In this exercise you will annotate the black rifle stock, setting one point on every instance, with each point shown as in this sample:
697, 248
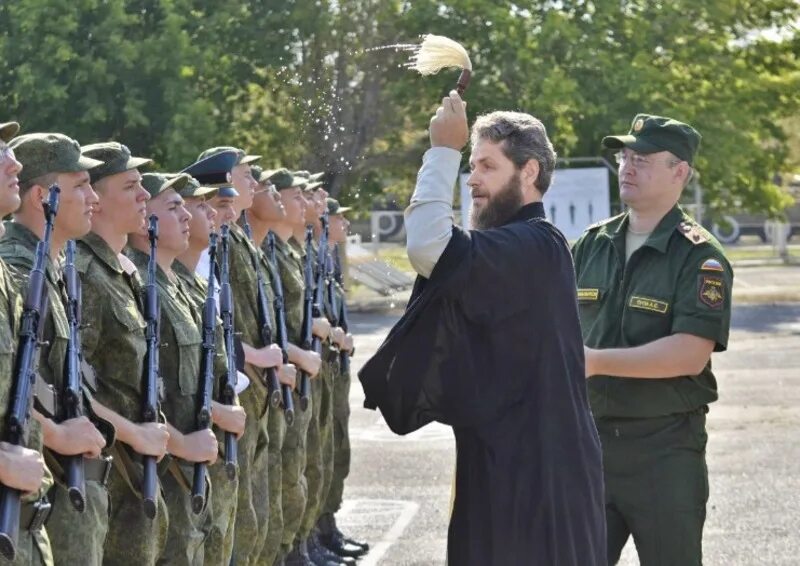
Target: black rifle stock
26, 361
264, 318
281, 337
307, 338
344, 356
228, 389
206, 374
73, 395
150, 381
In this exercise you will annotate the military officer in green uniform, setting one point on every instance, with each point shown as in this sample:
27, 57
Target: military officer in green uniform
329, 533
114, 345
179, 368
48, 159
654, 292
227, 418
21, 467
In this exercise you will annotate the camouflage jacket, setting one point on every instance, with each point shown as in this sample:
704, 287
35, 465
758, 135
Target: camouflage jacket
179, 354
18, 249
290, 266
113, 326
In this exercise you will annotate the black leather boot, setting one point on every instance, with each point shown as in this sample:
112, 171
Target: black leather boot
322, 556
332, 538
298, 556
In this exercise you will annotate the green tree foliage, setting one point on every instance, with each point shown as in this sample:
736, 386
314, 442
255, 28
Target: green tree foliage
298, 81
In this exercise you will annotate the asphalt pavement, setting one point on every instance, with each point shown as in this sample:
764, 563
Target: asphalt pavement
398, 492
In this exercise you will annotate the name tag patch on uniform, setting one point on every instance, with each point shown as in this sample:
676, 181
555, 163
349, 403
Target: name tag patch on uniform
711, 291
711, 264
587, 295
648, 304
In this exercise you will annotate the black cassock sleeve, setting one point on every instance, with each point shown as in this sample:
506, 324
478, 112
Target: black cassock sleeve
438, 362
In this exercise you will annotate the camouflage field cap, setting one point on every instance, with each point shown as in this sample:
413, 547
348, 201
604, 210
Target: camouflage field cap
335, 208
157, 183
312, 186
41, 154
243, 158
302, 173
317, 176
8, 130
651, 134
193, 189
116, 158
284, 179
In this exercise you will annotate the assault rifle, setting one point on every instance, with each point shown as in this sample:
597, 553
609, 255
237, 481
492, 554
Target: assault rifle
24, 379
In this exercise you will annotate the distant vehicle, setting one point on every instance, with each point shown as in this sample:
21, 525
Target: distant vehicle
730, 227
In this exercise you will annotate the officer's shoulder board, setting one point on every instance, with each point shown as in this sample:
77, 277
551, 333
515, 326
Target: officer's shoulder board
603, 222
693, 232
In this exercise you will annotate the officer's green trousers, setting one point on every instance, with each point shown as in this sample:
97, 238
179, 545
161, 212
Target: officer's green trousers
656, 485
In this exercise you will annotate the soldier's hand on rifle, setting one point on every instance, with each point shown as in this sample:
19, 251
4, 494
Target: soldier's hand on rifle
449, 127
21, 468
321, 328
338, 336
230, 418
349, 345
266, 357
287, 375
150, 439
311, 363
198, 446
74, 436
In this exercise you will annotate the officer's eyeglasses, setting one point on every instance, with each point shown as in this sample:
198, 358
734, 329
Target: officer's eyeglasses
638, 160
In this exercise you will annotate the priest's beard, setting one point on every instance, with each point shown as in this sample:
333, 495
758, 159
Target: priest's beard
500, 207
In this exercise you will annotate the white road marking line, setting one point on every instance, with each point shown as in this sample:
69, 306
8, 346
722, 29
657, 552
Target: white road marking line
408, 509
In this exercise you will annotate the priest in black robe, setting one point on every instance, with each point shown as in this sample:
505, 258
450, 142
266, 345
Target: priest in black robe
490, 344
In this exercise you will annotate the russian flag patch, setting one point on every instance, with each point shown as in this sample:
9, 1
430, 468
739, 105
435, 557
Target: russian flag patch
711, 264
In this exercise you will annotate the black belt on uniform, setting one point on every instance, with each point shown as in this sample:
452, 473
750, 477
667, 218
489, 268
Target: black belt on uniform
33, 515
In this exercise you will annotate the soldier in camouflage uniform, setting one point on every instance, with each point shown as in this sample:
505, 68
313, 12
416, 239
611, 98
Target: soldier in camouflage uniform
294, 487
330, 535
230, 418
179, 368
20, 467
319, 467
114, 345
267, 210
48, 159
252, 514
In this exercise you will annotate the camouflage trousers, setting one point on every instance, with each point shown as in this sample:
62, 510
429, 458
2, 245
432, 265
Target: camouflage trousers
78, 538
320, 445
252, 513
33, 549
293, 465
185, 536
341, 443
277, 433
133, 538
218, 547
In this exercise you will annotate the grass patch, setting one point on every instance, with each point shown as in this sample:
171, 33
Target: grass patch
396, 257
735, 253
